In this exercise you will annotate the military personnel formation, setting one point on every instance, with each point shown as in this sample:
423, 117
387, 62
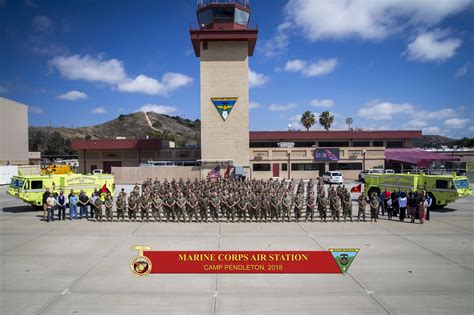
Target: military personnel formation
228, 200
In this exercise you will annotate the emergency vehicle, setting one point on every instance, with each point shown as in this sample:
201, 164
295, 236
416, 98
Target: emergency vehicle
443, 189
30, 188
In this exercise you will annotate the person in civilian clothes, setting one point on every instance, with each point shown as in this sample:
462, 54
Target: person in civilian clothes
61, 202
50, 203
45, 205
83, 204
402, 202
73, 206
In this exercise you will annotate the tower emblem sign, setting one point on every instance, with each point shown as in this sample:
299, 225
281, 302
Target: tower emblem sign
224, 105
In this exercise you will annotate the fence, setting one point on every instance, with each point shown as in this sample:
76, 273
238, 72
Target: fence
132, 175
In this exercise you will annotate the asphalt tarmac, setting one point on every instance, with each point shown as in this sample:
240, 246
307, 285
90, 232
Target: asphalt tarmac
83, 267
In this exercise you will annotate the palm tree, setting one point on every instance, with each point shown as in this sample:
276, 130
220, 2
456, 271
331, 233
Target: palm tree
307, 119
326, 120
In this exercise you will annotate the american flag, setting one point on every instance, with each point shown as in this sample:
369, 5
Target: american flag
215, 173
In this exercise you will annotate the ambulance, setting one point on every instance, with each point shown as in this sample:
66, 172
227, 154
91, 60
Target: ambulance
30, 188
444, 189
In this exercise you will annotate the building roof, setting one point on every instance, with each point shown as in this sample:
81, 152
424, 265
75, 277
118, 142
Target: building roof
333, 135
417, 157
117, 144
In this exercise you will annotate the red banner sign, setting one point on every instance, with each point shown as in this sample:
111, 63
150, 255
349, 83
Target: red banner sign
331, 261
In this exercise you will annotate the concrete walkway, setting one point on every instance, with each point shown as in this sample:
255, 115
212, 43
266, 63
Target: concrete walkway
82, 267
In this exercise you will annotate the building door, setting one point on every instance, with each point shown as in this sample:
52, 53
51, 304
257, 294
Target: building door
108, 165
321, 168
276, 169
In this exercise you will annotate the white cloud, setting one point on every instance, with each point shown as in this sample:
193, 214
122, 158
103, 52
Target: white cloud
279, 42
431, 131
257, 79
98, 110
320, 67
253, 105
281, 108
379, 110
43, 24
463, 70
143, 84
295, 65
159, 109
440, 114
322, 19
89, 68
325, 103
432, 46
73, 96
456, 123
416, 124
112, 72
307, 69
35, 109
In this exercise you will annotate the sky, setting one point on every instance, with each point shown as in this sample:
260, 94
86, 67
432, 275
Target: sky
388, 64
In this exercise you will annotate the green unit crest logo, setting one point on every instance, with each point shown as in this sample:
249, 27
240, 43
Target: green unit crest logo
344, 257
224, 105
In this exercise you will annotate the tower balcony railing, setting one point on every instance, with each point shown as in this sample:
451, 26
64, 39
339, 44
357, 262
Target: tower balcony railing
223, 26
203, 3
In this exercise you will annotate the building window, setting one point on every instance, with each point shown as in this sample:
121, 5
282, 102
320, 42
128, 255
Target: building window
36, 184
261, 167
361, 143
304, 144
284, 167
442, 184
394, 144
263, 145
345, 166
333, 144
305, 166
377, 143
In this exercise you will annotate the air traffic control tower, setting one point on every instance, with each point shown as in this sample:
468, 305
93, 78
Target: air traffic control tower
224, 40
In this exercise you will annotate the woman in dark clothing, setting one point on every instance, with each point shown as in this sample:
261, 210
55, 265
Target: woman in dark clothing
411, 207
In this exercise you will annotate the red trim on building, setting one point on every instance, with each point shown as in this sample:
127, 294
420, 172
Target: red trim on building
200, 35
333, 135
117, 144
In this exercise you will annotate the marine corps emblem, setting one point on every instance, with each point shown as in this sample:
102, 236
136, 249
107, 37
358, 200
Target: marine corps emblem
140, 265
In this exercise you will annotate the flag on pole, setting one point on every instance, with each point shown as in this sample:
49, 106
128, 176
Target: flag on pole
227, 171
215, 173
356, 189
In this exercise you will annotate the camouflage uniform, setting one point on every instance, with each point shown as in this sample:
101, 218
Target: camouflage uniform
310, 205
323, 204
144, 207
287, 204
98, 209
299, 205
362, 203
336, 209
347, 206
203, 207
157, 205
109, 205
132, 207
374, 205
121, 205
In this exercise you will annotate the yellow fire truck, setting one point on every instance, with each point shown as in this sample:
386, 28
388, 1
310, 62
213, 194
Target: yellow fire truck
30, 188
443, 189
